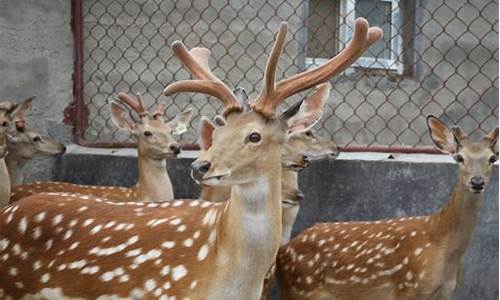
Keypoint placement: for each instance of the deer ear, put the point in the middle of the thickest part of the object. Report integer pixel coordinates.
(492, 140)
(206, 130)
(18, 111)
(180, 122)
(219, 120)
(119, 116)
(303, 115)
(446, 140)
(242, 98)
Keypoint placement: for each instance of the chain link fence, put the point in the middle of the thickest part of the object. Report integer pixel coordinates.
(437, 57)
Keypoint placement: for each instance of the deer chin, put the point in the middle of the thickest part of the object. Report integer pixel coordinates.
(475, 190)
(163, 155)
(213, 180)
(287, 203)
(294, 166)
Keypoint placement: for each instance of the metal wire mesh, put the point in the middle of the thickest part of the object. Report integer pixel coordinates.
(437, 57)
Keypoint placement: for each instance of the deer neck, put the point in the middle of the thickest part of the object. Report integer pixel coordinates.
(250, 231)
(4, 175)
(15, 166)
(215, 193)
(457, 220)
(153, 183)
(289, 179)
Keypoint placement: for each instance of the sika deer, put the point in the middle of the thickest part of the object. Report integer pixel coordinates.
(396, 259)
(301, 148)
(29, 143)
(7, 118)
(155, 144)
(88, 249)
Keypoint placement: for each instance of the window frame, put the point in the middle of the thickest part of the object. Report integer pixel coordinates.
(348, 16)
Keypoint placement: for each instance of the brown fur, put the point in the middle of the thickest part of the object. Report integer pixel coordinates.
(395, 259)
(153, 182)
(236, 248)
(29, 143)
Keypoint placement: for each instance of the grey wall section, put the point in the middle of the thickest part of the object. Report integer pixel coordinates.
(341, 191)
(450, 54)
(36, 59)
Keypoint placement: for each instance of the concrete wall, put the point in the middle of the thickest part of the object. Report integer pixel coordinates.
(449, 52)
(36, 59)
(341, 190)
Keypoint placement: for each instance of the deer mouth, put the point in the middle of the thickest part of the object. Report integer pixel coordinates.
(295, 166)
(212, 180)
(295, 201)
(331, 155)
(477, 190)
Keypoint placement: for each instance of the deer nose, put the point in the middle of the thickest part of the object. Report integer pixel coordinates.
(63, 149)
(175, 148)
(477, 182)
(300, 196)
(199, 168)
(306, 159)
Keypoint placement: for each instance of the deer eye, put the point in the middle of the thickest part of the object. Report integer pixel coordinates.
(148, 133)
(459, 158)
(309, 133)
(254, 137)
(37, 139)
(493, 159)
(5, 124)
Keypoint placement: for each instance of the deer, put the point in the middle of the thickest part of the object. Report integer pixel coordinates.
(193, 249)
(29, 143)
(300, 149)
(7, 120)
(155, 143)
(395, 259)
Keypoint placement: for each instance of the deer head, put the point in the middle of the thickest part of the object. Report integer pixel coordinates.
(154, 136)
(260, 133)
(8, 115)
(29, 142)
(475, 159)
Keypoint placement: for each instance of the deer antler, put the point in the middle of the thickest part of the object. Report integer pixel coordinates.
(136, 104)
(273, 94)
(196, 61)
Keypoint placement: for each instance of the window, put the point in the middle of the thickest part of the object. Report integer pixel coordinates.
(330, 29)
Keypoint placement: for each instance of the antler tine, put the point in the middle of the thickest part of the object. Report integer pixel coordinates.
(196, 61)
(136, 104)
(140, 99)
(160, 110)
(363, 37)
(272, 63)
(268, 106)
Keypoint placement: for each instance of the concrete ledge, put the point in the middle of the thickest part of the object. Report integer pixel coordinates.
(367, 156)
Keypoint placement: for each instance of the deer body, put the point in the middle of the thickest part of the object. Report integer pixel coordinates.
(396, 259)
(153, 184)
(90, 249)
(8, 116)
(153, 181)
(103, 245)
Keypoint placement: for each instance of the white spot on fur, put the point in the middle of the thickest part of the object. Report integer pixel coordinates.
(179, 272)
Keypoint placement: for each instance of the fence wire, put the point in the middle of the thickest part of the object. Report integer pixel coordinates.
(437, 57)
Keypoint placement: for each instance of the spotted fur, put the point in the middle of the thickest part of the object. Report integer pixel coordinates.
(45, 242)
